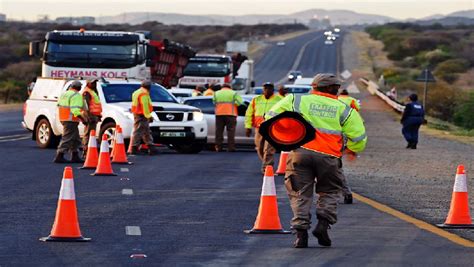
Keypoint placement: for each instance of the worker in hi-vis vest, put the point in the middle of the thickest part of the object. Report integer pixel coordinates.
(318, 162)
(92, 110)
(70, 105)
(349, 100)
(226, 101)
(142, 109)
(255, 115)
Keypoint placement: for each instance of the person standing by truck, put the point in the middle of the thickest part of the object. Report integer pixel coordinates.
(255, 115)
(226, 101)
(142, 109)
(93, 111)
(70, 107)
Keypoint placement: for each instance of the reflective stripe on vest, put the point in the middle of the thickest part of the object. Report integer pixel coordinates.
(137, 103)
(327, 117)
(95, 107)
(64, 106)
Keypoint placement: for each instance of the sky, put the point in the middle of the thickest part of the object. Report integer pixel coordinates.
(400, 9)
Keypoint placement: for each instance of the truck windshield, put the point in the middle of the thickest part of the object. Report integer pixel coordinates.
(123, 93)
(92, 55)
(207, 69)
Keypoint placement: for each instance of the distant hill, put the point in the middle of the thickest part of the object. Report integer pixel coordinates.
(337, 17)
(447, 21)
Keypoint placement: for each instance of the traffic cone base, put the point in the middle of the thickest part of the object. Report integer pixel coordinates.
(65, 239)
(456, 226)
(103, 174)
(268, 220)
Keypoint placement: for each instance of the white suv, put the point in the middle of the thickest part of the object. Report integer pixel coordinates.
(178, 126)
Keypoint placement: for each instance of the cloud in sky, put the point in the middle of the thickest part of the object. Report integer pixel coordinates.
(30, 9)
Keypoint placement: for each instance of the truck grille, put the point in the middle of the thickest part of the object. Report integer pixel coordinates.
(170, 116)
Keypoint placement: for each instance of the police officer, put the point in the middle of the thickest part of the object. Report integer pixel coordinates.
(412, 118)
(255, 115)
(142, 109)
(226, 101)
(319, 161)
(93, 111)
(70, 106)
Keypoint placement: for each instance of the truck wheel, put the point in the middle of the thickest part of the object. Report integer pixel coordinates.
(188, 149)
(45, 137)
(109, 130)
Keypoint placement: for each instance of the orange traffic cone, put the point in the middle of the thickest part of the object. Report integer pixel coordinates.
(268, 220)
(119, 155)
(66, 223)
(104, 167)
(92, 156)
(458, 216)
(282, 163)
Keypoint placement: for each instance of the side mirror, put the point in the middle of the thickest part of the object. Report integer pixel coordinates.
(34, 49)
(150, 52)
(252, 84)
(149, 63)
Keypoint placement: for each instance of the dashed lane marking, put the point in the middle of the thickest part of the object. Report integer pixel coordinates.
(418, 223)
(124, 169)
(128, 192)
(133, 230)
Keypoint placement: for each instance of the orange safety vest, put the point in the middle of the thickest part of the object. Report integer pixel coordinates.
(95, 107)
(226, 101)
(137, 104)
(66, 103)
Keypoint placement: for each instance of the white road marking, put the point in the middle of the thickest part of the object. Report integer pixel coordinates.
(133, 230)
(16, 137)
(124, 169)
(127, 192)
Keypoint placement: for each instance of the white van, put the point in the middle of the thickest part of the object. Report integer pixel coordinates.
(179, 126)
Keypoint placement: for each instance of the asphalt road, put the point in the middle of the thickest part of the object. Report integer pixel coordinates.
(191, 211)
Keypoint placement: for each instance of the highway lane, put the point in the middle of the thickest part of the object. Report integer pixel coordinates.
(278, 60)
(10, 122)
(319, 57)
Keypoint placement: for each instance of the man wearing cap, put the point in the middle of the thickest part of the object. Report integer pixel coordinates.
(70, 106)
(255, 115)
(319, 161)
(92, 111)
(226, 101)
(142, 109)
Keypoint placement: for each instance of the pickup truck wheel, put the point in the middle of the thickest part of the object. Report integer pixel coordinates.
(45, 137)
(188, 149)
(109, 130)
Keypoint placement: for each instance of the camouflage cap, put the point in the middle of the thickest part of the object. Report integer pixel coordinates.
(76, 85)
(325, 79)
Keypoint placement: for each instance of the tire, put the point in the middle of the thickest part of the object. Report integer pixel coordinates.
(189, 149)
(109, 129)
(44, 135)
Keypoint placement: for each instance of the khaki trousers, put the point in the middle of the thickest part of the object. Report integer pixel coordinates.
(307, 171)
(229, 123)
(70, 140)
(141, 131)
(89, 126)
(265, 151)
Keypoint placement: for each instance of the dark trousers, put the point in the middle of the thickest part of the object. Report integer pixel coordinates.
(70, 140)
(228, 122)
(89, 126)
(141, 131)
(410, 132)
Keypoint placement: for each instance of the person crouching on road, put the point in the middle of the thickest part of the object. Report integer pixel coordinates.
(226, 101)
(142, 109)
(93, 111)
(70, 107)
(412, 118)
(318, 162)
(255, 115)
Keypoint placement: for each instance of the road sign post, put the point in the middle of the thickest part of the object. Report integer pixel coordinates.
(427, 77)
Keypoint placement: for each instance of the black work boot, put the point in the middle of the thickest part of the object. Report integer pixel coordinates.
(60, 158)
(75, 158)
(409, 145)
(134, 150)
(348, 199)
(413, 145)
(321, 232)
(301, 239)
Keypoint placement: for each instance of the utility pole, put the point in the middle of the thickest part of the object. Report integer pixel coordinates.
(426, 77)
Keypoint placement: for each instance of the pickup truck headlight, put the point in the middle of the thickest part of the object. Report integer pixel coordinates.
(198, 116)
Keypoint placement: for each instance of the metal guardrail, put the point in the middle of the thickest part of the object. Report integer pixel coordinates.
(374, 89)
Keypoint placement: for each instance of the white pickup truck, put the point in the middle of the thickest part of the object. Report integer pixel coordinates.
(181, 127)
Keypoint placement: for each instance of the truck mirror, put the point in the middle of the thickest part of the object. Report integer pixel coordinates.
(150, 52)
(149, 63)
(252, 84)
(34, 49)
